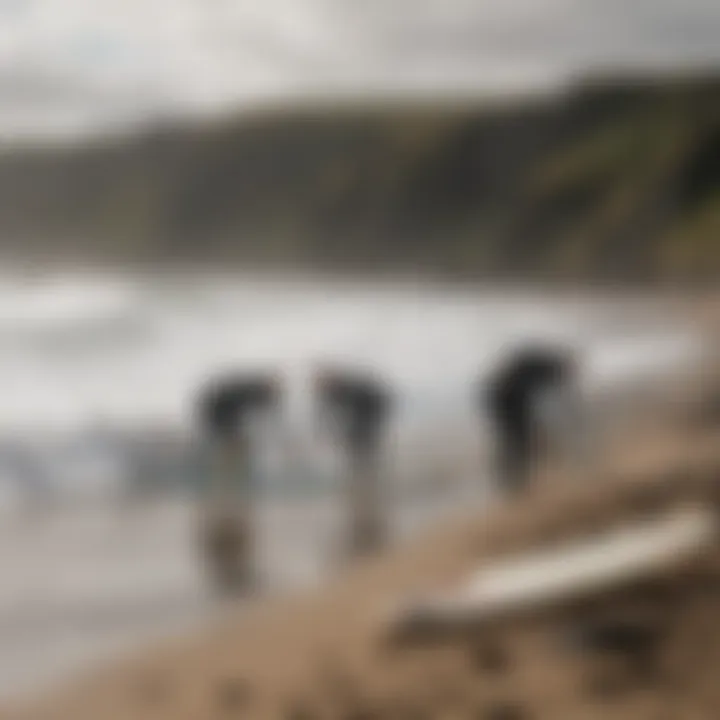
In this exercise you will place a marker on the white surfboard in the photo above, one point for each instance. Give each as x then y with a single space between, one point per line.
576 569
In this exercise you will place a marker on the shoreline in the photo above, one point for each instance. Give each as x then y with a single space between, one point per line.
133 657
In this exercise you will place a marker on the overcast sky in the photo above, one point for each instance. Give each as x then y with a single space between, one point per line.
70 64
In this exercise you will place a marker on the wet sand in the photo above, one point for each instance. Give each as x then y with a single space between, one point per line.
84 585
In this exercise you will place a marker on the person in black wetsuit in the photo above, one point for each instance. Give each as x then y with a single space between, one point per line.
358 402
513 397
226 403
224 410
359 406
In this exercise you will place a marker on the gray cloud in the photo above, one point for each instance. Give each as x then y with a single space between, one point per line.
187 54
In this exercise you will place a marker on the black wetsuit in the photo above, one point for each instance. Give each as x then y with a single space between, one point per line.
511 398
361 405
224 404
222 408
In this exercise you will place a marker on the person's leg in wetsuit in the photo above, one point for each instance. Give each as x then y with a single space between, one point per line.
515 455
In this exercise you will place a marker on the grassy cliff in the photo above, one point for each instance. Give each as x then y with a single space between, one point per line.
611 180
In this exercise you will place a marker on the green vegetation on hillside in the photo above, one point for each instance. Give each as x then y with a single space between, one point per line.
612 180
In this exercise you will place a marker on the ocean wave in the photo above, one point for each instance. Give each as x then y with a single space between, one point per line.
63 303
